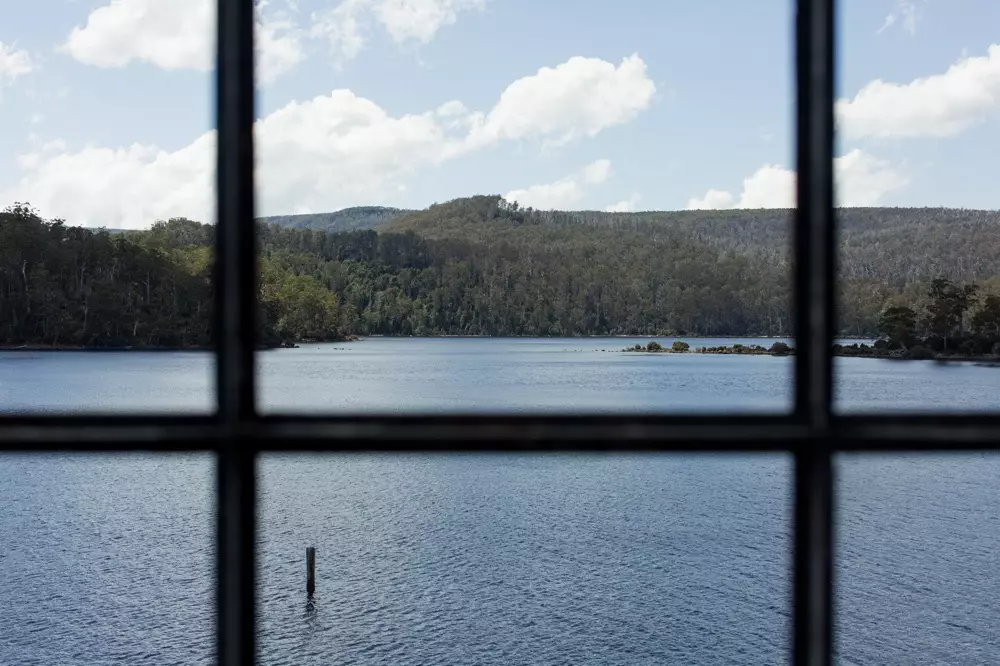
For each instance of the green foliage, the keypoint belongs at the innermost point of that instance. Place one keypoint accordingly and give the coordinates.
(780, 348)
(654, 346)
(898, 326)
(348, 219)
(986, 322)
(64, 285)
(738, 349)
(680, 346)
(485, 266)
(969, 347)
(947, 304)
(301, 308)
(482, 266)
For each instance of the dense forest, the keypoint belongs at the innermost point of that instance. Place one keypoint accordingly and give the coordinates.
(348, 219)
(477, 266)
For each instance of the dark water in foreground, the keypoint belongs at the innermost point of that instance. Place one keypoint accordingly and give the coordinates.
(493, 559)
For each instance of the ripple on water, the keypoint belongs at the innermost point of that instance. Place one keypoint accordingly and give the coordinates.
(494, 560)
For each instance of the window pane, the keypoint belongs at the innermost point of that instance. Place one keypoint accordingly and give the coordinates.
(106, 185)
(917, 554)
(525, 559)
(107, 559)
(495, 234)
(919, 228)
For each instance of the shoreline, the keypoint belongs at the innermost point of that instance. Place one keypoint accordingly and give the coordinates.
(298, 343)
(838, 351)
(80, 348)
(991, 360)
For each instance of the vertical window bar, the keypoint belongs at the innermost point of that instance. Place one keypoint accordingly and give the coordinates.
(235, 332)
(814, 232)
(814, 304)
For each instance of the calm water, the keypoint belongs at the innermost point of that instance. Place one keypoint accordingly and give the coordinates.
(477, 375)
(492, 559)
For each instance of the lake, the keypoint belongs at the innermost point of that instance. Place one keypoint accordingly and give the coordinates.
(493, 559)
(469, 375)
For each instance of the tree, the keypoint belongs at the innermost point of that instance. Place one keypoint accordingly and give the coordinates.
(680, 346)
(986, 321)
(305, 310)
(483, 265)
(947, 306)
(898, 326)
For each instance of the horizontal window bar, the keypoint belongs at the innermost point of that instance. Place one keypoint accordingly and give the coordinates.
(749, 434)
(531, 432)
(120, 434)
(503, 433)
(923, 432)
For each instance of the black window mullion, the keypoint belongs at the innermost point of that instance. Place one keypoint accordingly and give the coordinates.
(814, 310)
(235, 333)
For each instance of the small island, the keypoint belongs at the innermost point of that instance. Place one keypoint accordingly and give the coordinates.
(681, 347)
(878, 349)
(955, 325)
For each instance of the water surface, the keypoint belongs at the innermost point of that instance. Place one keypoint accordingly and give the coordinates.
(469, 375)
(492, 559)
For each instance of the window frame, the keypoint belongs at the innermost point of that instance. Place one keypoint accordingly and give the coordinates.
(237, 434)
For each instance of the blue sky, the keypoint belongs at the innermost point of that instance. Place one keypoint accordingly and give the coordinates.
(628, 105)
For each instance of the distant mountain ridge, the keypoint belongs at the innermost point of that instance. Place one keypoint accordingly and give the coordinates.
(478, 266)
(347, 219)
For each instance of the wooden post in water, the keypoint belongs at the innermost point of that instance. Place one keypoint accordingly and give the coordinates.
(310, 570)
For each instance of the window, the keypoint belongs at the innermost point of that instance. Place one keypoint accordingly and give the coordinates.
(237, 434)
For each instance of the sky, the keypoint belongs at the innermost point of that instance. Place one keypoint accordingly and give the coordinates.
(107, 108)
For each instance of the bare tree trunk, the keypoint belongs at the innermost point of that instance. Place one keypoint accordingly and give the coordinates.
(27, 294)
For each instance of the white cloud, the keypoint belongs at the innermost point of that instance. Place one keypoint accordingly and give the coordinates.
(332, 151)
(861, 180)
(625, 205)
(346, 26)
(596, 172)
(565, 192)
(770, 186)
(177, 35)
(121, 187)
(713, 199)
(14, 63)
(279, 44)
(343, 28)
(580, 97)
(341, 150)
(171, 35)
(420, 20)
(904, 11)
(934, 106)
(180, 34)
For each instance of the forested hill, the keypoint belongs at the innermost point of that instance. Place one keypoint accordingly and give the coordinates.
(886, 255)
(478, 266)
(348, 219)
(887, 243)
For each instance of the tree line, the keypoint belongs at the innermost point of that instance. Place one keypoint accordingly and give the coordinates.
(953, 318)
(474, 266)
